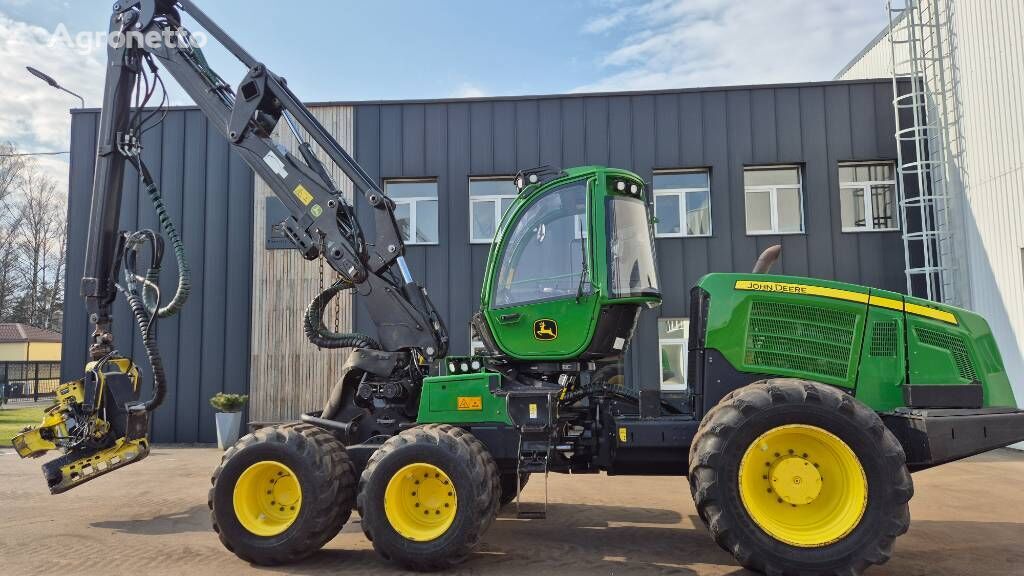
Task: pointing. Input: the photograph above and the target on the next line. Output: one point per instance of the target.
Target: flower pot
(228, 424)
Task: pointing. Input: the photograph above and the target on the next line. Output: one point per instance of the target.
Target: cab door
(542, 305)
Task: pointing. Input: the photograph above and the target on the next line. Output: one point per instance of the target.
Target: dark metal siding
(209, 193)
(815, 126)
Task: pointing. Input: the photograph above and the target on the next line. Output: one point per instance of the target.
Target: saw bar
(75, 469)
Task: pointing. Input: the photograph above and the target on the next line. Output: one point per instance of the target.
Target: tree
(55, 299)
(12, 174)
(33, 243)
(37, 242)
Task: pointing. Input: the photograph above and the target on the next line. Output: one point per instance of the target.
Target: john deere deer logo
(545, 329)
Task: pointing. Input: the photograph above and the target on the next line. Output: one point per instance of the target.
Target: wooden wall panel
(288, 375)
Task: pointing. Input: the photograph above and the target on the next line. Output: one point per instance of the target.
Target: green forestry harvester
(808, 402)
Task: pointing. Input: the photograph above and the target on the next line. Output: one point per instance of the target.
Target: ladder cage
(924, 84)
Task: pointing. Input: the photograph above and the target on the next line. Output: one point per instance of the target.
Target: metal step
(534, 511)
(534, 454)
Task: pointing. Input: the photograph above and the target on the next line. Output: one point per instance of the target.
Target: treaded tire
(741, 417)
(508, 486)
(325, 474)
(474, 474)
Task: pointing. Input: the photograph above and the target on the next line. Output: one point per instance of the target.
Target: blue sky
(393, 49)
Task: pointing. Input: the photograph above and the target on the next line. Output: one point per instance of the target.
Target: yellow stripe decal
(783, 288)
(931, 313)
(849, 296)
(886, 303)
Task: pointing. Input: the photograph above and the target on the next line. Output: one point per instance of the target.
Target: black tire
(473, 473)
(740, 418)
(324, 473)
(508, 486)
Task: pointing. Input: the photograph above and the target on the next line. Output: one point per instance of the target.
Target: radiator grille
(956, 347)
(884, 339)
(810, 339)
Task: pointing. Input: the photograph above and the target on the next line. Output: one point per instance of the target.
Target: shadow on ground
(604, 539)
(598, 538)
(195, 519)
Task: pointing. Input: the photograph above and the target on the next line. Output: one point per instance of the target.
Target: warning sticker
(303, 195)
(533, 411)
(470, 403)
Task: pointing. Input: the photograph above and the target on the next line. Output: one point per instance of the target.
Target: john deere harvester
(808, 402)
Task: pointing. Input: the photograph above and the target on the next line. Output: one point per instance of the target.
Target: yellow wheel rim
(803, 485)
(267, 498)
(420, 502)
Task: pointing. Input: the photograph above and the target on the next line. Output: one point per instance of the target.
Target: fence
(28, 380)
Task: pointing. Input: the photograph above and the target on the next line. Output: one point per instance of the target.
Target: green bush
(228, 402)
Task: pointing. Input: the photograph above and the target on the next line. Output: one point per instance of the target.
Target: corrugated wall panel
(209, 195)
(723, 130)
(991, 60)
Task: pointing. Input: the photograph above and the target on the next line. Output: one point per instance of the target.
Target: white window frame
(773, 196)
(681, 193)
(685, 343)
(412, 202)
(869, 210)
(496, 198)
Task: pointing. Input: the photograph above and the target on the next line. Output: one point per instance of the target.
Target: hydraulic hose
(144, 319)
(323, 337)
(153, 273)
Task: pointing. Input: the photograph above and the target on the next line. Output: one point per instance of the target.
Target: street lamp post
(49, 80)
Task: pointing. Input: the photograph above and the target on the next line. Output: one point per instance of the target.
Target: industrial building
(968, 58)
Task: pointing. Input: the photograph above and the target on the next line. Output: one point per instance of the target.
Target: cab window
(630, 250)
(544, 256)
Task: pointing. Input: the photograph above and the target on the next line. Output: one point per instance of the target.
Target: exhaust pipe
(767, 259)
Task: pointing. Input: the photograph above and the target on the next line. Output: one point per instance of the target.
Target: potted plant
(229, 417)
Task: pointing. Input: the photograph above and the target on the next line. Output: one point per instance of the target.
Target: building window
(774, 200)
(673, 340)
(867, 197)
(682, 204)
(415, 209)
(489, 198)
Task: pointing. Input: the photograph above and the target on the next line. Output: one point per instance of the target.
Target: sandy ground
(151, 518)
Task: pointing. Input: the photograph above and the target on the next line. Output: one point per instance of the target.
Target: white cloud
(32, 114)
(468, 90)
(689, 43)
(604, 23)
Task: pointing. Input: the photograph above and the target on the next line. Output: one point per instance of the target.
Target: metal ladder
(924, 91)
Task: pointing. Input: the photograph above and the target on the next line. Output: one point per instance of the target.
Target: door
(542, 305)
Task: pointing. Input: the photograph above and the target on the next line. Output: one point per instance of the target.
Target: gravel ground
(151, 518)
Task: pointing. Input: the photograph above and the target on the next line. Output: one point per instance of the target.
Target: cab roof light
(627, 187)
(538, 175)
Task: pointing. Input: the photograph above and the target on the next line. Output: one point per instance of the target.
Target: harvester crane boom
(321, 221)
(98, 421)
